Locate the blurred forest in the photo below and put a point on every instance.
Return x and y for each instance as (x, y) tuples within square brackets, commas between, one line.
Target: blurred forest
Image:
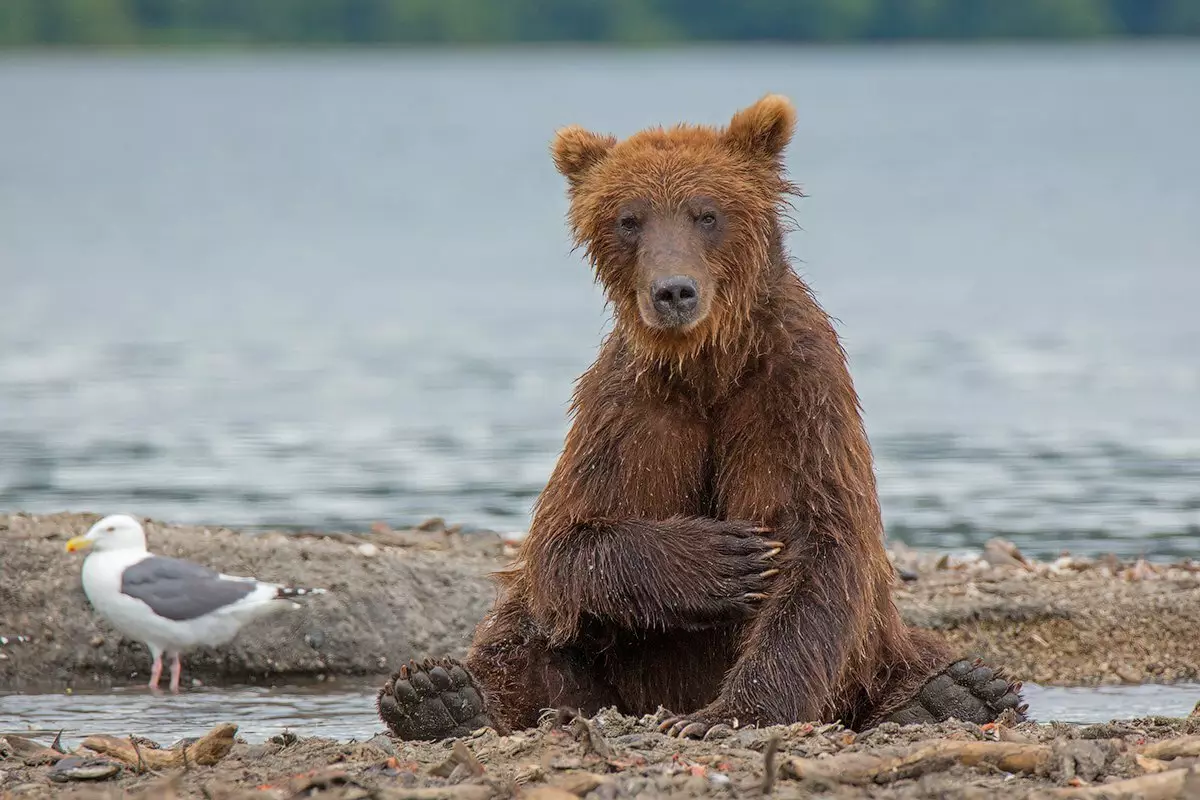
[(167, 22)]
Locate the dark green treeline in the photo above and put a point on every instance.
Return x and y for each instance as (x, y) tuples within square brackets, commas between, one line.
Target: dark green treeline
[(165, 22)]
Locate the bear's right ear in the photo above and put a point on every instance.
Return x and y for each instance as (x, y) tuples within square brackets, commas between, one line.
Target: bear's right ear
[(576, 151), (764, 129)]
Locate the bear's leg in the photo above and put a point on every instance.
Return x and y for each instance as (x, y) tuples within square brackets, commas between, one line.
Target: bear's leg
[(511, 675), (942, 688)]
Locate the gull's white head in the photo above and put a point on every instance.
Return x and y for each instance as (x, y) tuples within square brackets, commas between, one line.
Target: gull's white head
[(115, 532)]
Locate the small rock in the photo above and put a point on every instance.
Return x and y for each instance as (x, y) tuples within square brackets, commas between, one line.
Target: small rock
[(548, 793), (285, 739), (432, 524), (719, 779), (27, 788), (382, 742), (1128, 674), (96, 641), (1003, 553), (367, 549)]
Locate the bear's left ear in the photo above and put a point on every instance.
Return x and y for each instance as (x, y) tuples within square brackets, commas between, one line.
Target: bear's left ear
[(576, 151), (764, 129)]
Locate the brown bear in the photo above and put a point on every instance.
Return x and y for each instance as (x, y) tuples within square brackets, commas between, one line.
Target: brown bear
[(710, 540)]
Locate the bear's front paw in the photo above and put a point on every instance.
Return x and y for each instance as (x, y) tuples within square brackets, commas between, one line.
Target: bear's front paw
[(744, 559)]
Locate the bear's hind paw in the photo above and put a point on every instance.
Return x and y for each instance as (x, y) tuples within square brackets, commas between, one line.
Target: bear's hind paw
[(432, 700), (968, 690)]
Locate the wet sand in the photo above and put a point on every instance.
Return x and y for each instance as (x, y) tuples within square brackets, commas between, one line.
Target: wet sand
[(395, 595)]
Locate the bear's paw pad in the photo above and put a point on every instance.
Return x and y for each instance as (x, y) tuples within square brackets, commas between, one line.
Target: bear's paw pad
[(967, 690), (430, 701)]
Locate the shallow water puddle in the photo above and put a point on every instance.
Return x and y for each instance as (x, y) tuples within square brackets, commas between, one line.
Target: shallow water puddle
[(349, 713)]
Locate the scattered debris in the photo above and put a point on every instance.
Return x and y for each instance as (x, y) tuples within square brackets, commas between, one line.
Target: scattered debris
[(461, 765), (585, 732), (1152, 758), (209, 749), (770, 768), (83, 768), (29, 751)]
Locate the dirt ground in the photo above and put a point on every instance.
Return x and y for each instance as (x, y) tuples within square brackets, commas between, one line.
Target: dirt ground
[(395, 595), (614, 756), (401, 594)]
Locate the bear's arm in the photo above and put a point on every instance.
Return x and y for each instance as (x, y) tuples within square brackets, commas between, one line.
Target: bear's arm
[(793, 453), (619, 534)]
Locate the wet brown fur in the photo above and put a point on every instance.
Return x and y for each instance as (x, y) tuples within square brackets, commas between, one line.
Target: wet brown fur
[(628, 589)]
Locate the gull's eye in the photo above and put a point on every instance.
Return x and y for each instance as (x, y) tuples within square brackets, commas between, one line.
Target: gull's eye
[(110, 528)]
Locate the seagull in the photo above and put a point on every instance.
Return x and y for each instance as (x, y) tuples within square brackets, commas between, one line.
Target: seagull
[(171, 605)]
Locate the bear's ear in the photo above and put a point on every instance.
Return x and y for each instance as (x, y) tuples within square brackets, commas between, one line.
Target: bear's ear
[(576, 151), (764, 129)]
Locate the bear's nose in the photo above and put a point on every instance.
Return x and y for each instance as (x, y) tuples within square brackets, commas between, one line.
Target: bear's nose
[(677, 294)]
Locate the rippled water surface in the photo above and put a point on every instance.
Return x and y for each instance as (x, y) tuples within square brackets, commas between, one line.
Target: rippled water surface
[(350, 713), (324, 290)]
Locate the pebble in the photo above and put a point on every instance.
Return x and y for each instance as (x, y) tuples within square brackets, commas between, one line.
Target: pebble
[(96, 641), (367, 549), (382, 742)]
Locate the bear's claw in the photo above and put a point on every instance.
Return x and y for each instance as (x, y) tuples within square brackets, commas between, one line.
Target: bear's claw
[(686, 727), (968, 690), (431, 700)]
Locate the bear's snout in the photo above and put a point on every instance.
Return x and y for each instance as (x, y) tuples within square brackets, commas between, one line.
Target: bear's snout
[(675, 299)]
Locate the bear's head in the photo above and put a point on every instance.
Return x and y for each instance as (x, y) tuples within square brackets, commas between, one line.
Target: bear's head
[(682, 224)]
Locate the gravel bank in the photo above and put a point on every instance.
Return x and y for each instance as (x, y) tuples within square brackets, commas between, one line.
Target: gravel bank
[(396, 595)]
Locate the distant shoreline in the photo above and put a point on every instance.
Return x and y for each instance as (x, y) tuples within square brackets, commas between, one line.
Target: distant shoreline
[(235, 47)]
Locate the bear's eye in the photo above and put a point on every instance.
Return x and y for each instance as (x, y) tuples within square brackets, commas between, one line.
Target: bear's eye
[(628, 223), (707, 220)]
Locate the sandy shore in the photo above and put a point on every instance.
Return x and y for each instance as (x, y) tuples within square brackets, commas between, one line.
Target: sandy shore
[(614, 756), (396, 595), (401, 594)]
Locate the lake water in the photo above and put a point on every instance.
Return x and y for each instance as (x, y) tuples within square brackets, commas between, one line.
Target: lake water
[(349, 712), (328, 289)]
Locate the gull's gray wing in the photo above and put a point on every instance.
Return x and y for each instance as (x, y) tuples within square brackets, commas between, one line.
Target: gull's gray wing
[(180, 590)]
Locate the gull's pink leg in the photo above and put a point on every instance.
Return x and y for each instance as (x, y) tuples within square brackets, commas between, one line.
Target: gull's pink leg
[(176, 669), (156, 672)]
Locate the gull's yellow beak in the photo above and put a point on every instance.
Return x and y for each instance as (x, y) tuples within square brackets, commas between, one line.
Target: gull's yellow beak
[(78, 543)]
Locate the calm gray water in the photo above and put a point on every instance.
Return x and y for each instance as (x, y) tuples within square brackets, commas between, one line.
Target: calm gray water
[(324, 290), (347, 713)]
